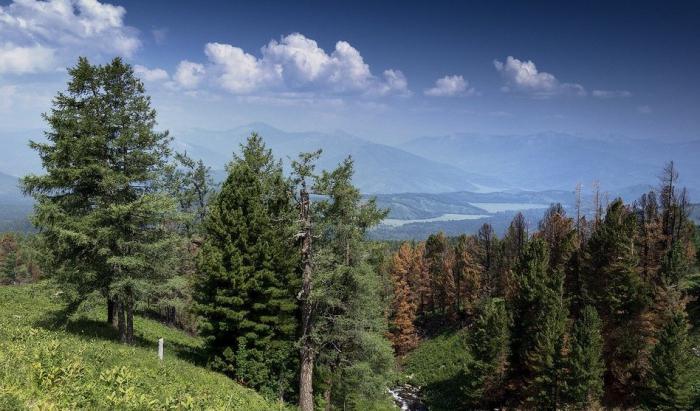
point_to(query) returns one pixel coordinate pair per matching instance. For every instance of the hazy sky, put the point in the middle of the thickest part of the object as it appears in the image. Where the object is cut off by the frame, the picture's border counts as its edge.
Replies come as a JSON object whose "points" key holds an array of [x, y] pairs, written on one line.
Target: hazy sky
{"points": [[385, 70]]}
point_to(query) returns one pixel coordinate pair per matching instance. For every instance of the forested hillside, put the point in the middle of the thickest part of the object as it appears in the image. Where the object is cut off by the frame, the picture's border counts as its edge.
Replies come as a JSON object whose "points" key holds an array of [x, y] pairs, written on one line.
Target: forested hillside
{"points": [[575, 312], [269, 280]]}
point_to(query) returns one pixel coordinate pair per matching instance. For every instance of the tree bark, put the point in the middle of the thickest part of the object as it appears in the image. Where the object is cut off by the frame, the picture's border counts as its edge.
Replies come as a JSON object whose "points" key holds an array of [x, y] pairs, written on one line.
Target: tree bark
{"points": [[121, 321], [130, 319], [306, 393], [110, 311], [327, 393]]}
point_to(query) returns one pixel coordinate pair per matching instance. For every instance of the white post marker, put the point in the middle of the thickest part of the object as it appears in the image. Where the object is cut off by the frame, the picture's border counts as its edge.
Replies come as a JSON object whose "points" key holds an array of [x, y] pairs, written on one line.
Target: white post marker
{"points": [[160, 349]]}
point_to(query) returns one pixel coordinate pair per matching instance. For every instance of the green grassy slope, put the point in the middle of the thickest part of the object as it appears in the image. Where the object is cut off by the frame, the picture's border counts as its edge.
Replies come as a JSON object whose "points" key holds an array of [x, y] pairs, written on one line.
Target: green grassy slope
{"points": [[49, 362], [436, 367]]}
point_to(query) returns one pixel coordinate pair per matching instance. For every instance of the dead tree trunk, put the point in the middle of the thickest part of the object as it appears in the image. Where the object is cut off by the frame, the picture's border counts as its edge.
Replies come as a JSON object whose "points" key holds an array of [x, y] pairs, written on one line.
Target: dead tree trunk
{"points": [[306, 394]]}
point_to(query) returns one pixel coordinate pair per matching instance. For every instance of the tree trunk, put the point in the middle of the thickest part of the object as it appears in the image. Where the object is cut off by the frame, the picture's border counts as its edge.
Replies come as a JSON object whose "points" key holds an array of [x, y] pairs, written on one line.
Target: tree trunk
{"points": [[130, 319], [121, 321], [306, 391], [327, 393], [111, 312]]}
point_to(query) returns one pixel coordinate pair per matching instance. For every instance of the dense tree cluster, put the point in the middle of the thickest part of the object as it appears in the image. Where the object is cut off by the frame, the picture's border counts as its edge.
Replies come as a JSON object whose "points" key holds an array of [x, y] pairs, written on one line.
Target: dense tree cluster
{"points": [[577, 312]]}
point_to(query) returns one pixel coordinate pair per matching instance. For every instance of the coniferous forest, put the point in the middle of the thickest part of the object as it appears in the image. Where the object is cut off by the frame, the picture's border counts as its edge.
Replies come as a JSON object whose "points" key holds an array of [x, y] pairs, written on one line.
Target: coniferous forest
{"points": [[268, 282]]}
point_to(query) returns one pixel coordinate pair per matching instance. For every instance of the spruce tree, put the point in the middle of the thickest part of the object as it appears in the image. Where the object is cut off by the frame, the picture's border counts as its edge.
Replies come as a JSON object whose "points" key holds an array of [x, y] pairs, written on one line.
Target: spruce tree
{"points": [[615, 287], [669, 380], [248, 274], [585, 366], [488, 341], [99, 207], [354, 356], [539, 328]]}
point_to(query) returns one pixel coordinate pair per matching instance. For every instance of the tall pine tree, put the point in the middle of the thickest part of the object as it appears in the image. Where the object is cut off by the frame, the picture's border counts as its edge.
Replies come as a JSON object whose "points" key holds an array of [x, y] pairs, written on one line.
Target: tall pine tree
{"points": [[99, 207], [584, 363], [249, 273], [670, 378], [354, 357]]}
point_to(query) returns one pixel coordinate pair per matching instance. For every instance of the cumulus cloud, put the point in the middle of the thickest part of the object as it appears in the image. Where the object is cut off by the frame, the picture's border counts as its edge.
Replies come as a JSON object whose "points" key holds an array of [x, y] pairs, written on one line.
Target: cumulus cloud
{"points": [[607, 94], [25, 59], [450, 86], [151, 75], [36, 33], [523, 76], [296, 64], [188, 74]]}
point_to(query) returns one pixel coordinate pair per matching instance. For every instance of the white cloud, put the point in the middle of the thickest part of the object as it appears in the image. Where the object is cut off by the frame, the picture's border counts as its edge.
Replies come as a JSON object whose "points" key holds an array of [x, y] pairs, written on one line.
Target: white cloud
{"points": [[189, 74], [395, 83], [644, 110], [606, 94], [236, 70], [151, 75], [25, 59], [297, 65], [523, 76], [450, 86], [57, 30]]}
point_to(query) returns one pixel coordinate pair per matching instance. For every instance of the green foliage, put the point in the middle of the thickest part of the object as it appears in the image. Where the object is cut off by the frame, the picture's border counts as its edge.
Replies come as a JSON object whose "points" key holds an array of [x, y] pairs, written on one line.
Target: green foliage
{"points": [[75, 364], [669, 380], [101, 213], [438, 366], [349, 317], [613, 281], [248, 274], [585, 361], [489, 341], [540, 325]]}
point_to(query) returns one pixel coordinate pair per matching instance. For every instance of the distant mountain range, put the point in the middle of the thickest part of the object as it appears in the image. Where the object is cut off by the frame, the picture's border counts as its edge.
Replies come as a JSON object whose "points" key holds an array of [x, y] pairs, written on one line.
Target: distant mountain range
{"points": [[558, 161], [379, 168], [453, 183]]}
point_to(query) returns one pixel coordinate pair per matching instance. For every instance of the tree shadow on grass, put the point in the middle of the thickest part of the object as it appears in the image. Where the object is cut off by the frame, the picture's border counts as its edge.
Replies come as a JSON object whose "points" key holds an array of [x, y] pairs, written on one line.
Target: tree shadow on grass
{"points": [[89, 329]]}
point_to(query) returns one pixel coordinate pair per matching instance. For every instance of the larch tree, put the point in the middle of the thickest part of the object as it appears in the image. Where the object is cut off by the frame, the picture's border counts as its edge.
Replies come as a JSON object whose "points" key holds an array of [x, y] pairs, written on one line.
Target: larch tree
{"points": [[404, 336], [467, 274], [248, 274], [99, 208], [438, 256]]}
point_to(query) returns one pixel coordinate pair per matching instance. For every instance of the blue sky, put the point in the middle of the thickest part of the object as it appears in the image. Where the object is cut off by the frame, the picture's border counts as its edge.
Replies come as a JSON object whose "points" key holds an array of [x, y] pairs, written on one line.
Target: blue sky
{"points": [[387, 71]]}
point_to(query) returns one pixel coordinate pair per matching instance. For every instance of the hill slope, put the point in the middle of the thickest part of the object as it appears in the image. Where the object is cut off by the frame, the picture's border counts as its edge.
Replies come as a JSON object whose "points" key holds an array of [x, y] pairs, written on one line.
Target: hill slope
{"points": [[558, 161], [380, 168], [47, 362]]}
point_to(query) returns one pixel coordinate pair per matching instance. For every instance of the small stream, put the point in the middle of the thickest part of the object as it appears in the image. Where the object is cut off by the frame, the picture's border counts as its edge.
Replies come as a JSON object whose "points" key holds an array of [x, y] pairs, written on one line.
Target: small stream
{"points": [[407, 398]]}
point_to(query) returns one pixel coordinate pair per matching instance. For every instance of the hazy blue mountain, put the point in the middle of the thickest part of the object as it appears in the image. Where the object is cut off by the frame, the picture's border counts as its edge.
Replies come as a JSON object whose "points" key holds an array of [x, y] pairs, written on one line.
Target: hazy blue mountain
{"points": [[9, 188], [379, 168], [16, 158], [558, 161]]}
